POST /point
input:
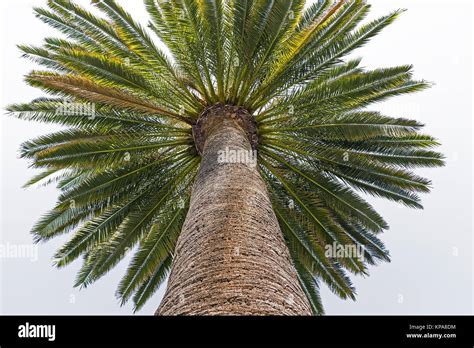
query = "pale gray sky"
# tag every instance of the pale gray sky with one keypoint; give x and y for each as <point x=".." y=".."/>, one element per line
<point x="431" y="270"/>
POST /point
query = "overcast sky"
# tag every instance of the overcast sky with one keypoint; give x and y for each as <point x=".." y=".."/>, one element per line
<point x="431" y="270"/>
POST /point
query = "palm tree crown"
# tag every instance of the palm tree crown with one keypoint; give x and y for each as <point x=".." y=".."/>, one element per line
<point x="126" y="161"/>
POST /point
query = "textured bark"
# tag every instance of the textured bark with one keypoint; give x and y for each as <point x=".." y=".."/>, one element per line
<point x="231" y="258"/>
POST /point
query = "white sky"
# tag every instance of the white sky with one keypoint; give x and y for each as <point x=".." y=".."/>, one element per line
<point x="431" y="270"/>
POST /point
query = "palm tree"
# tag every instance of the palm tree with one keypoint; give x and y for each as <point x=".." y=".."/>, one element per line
<point x="150" y="158"/>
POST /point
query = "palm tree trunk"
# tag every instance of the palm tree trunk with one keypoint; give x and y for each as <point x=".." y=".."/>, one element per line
<point x="231" y="258"/>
